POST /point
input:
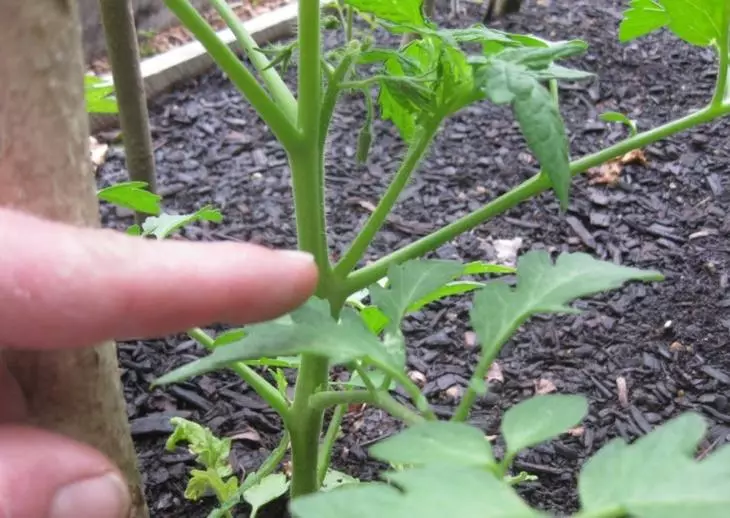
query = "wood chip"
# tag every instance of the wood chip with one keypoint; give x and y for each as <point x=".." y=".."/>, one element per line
<point x="248" y="434"/>
<point x="623" y="391"/>
<point x="495" y="373"/>
<point x="418" y="378"/>
<point x="544" y="386"/>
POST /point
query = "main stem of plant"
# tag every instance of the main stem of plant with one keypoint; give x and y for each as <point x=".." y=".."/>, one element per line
<point x="307" y="163"/>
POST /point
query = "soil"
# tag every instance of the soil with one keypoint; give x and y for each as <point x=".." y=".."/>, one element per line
<point x="642" y="354"/>
<point x="152" y="43"/>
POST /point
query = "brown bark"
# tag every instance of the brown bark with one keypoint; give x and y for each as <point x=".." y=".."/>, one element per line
<point x="123" y="52"/>
<point x="45" y="170"/>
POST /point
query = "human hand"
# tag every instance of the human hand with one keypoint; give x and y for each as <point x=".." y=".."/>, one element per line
<point x="64" y="287"/>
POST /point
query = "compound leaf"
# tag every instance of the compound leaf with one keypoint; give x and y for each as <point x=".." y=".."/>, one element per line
<point x="401" y="12"/>
<point x="133" y="196"/>
<point x="698" y="22"/>
<point x="541" y="418"/>
<point x="505" y="82"/>
<point x="436" y="442"/>
<point x="410" y="282"/>
<point x="468" y="492"/>
<point x="309" y="329"/>
<point x="164" y="225"/>
<point x="269" y="489"/>
<point x="657" y="476"/>
<point x="544" y="287"/>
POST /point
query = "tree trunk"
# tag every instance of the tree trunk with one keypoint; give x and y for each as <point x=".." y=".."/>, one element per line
<point x="123" y="51"/>
<point x="45" y="170"/>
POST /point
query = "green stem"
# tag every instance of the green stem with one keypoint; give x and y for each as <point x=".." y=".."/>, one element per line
<point x="413" y="390"/>
<point x="279" y="91"/>
<point x="306" y="425"/>
<point x="413" y="157"/>
<point x="254" y="380"/>
<point x="349" y="23"/>
<point x="381" y="400"/>
<point x="537" y="184"/>
<point x="284" y="130"/>
<point x="480" y="371"/>
<point x="332" y="93"/>
<point x="325" y="452"/>
<point x="306" y="161"/>
<point x="266" y="468"/>
<point x="723" y="49"/>
<point x="553" y="84"/>
<point x="310" y="73"/>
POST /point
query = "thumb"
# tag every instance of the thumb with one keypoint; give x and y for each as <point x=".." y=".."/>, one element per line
<point x="43" y="475"/>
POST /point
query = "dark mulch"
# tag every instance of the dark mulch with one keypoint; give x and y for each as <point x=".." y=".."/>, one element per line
<point x="668" y="341"/>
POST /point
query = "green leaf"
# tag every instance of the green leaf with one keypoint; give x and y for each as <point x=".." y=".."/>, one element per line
<point x="436" y="442"/>
<point x="657" y="476"/>
<point x="99" y="95"/>
<point x="544" y="287"/>
<point x="540" y="57"/>
<point x="409" y="282"/>
<point x="619" y="117"/>
<point x="334" y="479"/>
<point x="562" y="73"/>
<point x="541" y="418"/>
<point x="309" y="329"/>
<point x="397" y="11"/>
<point x="425" y="492"/>
<point x="228" y="337"/>
<point x="164" y="225"/>
<point x="698" y="22"/>
<point x="406" y="89"/>
<point x="211" y="452"/>
<point x="615" y="117"/>
<point x="374" y="318"/>
<point x="133" y="196"/>
<point x="447" y="290"/>
<point x="481" y="268"/>
<point x="377" y="377"/>
<point x="643" y="17"/>
<point x="504" y="82"/>
<point x="268" y="490"/>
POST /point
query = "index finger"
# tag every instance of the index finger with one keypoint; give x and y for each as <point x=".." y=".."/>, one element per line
<point x="62" y="286"/>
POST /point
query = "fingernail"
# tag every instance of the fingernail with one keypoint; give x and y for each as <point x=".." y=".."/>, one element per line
<point x="102" y="497"/>
<point x="299" y="255"/>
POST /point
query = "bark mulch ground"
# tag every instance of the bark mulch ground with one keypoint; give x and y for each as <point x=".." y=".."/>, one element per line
<point x="641" y="355"/>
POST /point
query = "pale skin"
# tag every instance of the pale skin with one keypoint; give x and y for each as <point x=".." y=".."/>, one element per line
<point x="63" y="287"/>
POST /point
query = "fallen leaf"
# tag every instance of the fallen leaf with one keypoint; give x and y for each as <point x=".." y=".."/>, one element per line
<point x="495" y="373"/>
<point x="506" y="250"/>
<point x="635" y="156"/>
<point x="609" y="173"/>
<point x="623" y="391"/>
<point x="544" y="386"/>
